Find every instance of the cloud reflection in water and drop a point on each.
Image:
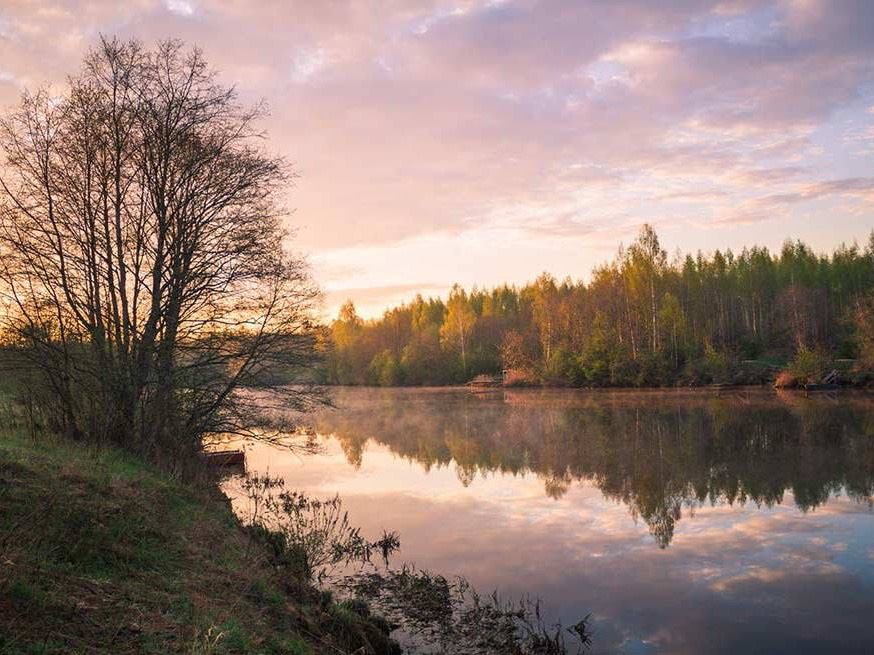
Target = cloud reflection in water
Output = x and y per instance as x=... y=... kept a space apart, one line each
x=685 y=523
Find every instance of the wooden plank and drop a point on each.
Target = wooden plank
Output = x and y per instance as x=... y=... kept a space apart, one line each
x=223 y=458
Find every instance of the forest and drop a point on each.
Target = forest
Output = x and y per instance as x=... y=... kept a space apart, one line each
x=643 y=319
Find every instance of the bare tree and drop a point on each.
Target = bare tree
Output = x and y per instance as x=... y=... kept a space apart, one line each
x=142 y=251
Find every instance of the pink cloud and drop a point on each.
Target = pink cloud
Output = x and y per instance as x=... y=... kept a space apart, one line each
x=434 y=117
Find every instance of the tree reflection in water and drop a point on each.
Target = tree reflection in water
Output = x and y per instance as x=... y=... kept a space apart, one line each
x=659 y=453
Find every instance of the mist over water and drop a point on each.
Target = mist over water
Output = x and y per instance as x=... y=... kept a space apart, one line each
x=685 y=522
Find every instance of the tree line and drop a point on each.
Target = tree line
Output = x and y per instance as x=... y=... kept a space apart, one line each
x=643 y=319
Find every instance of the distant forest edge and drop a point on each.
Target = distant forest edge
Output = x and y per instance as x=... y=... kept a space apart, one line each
x=642 y=320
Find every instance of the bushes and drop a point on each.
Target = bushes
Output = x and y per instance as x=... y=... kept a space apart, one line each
x=808 y=366
x=716 y=364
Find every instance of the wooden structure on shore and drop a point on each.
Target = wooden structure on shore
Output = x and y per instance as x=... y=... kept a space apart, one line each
x=821 y=387
x=484 y=382
x=225 y=458
x=832 y=381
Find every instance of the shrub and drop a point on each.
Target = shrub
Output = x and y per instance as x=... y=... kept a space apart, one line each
x=785 y=380
x=451 y=617
x=716 y=364
x=308 y=535
x=808 y=365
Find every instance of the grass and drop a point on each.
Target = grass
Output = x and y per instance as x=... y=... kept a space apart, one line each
x=100 y=553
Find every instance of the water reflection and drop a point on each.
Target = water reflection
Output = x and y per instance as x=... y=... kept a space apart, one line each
x=660 y=454
x=764 y=501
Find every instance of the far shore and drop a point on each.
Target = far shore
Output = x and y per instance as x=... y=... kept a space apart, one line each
x=711 y=388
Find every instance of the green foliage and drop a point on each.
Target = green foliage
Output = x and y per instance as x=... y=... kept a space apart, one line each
x=653 y=371
x=287 y=646
x=236 y=639
x=564 y=367
x=22 y=591
x=716 y=364
x=605 y=361
x=750 y=348
x=385 y=370
x=263 y=593
x=641 y=320
x=421 y=360
x=809 y=365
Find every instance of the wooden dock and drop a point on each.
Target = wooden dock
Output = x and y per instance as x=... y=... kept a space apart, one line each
x=225 y=458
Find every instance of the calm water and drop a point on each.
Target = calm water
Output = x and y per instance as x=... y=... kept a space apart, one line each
x=684 y=522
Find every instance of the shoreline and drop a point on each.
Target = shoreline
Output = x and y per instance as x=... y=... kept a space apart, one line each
x=147 y=564
x=715 y=389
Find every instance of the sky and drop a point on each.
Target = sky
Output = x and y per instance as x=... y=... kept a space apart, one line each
x=487 y=141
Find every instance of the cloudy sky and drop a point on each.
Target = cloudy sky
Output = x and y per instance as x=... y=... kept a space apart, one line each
x=482 y=141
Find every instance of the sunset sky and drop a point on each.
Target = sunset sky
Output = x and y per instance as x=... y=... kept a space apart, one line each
x=486 y=141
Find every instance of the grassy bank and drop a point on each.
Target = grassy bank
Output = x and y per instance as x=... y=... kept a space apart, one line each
x=100 y=553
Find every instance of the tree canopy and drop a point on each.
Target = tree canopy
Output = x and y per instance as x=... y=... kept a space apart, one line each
x=641 y=320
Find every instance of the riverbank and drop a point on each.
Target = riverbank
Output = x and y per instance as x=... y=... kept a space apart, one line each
x=101 y=553
x=861 y=382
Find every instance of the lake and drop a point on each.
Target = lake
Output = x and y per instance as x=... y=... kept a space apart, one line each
x=683 y=521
